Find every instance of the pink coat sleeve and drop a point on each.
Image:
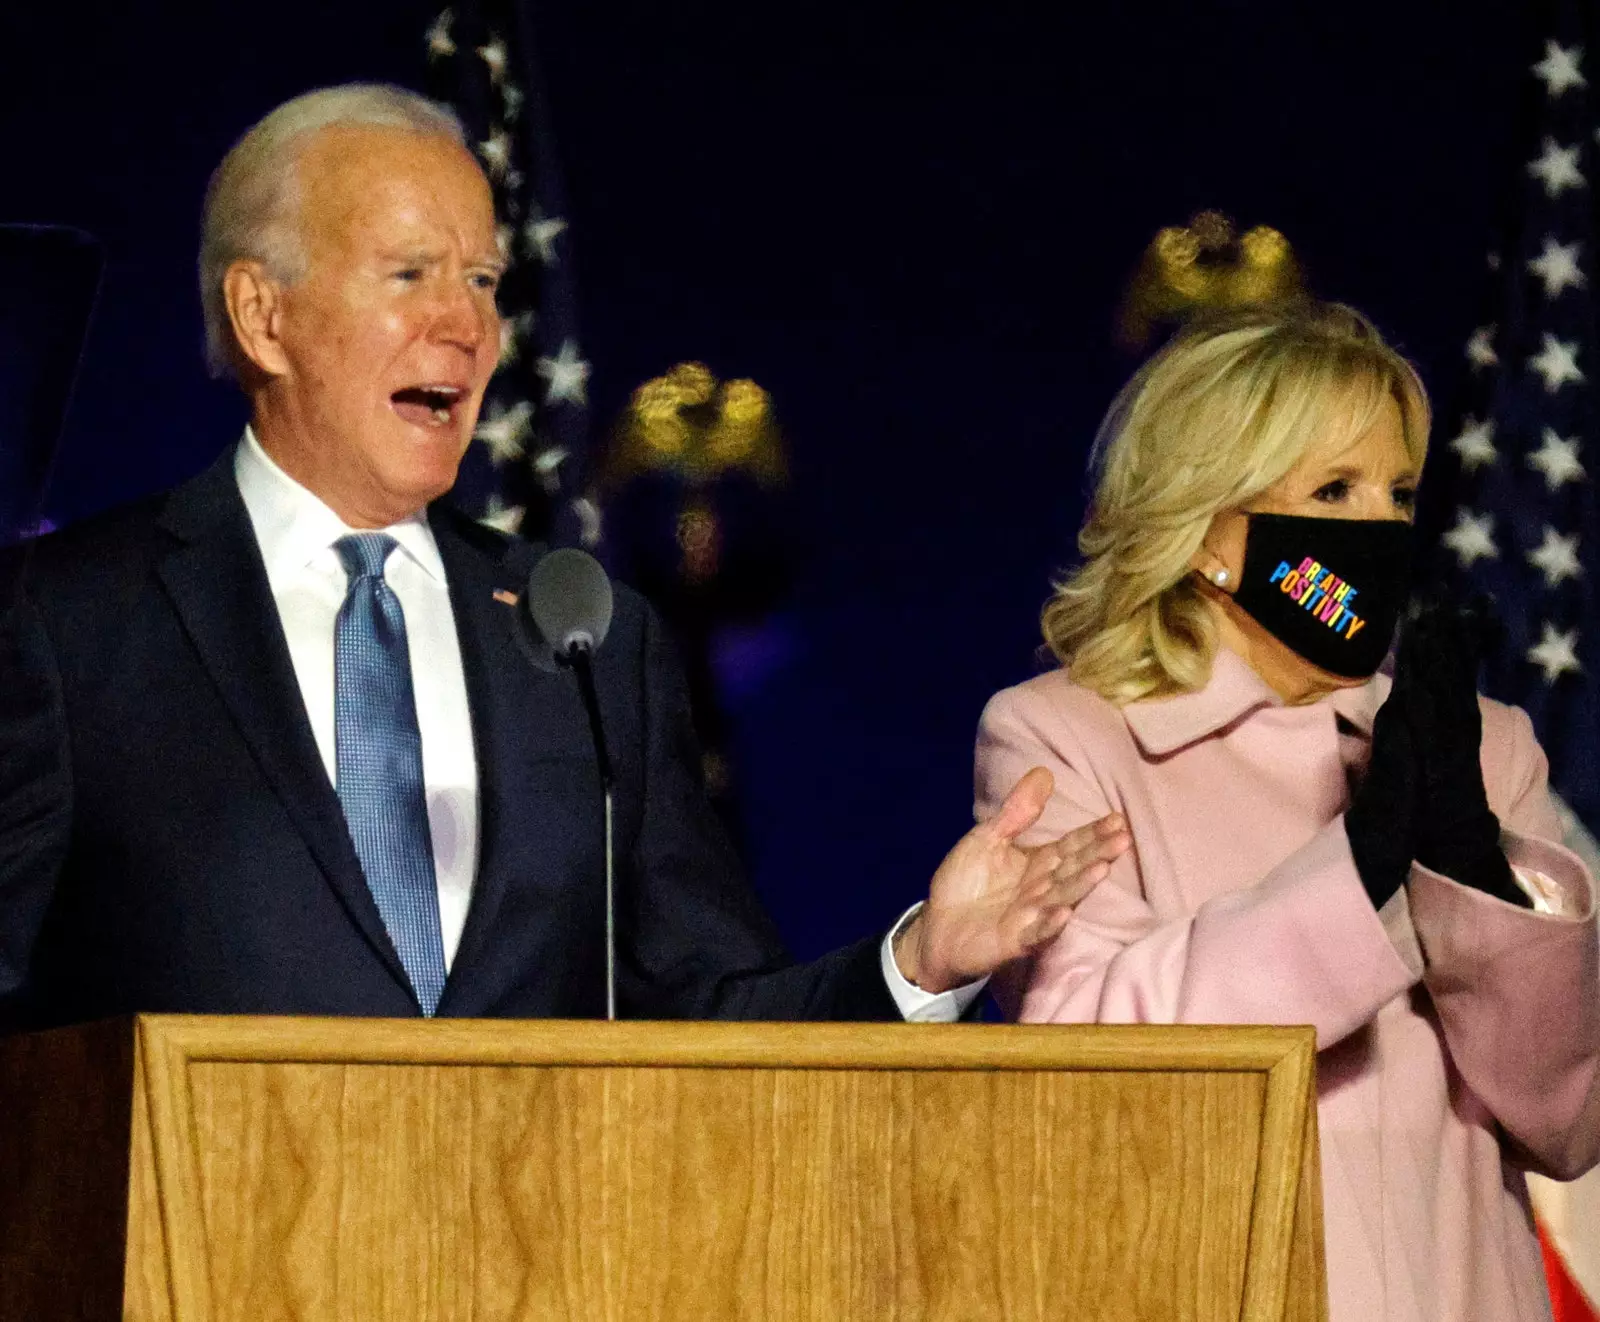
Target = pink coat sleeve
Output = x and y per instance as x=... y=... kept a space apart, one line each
x=1303 y=945
x=1518 y=993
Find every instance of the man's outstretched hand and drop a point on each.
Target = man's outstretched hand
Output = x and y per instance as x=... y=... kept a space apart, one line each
x=993 y=900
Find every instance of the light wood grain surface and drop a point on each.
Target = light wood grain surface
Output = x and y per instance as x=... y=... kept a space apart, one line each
x=348 y=1170
x=147 y=1288
x=1308 y=1272
x=221 y=1169
x=1251 y=1048
x=434 y=1192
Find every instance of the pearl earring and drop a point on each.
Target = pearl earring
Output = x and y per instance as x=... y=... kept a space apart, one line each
x=1220 y=578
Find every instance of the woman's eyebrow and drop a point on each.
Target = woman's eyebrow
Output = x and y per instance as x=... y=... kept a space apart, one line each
x=1353 y=472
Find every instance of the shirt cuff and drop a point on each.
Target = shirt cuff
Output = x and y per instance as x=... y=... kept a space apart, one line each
x=919 y=1006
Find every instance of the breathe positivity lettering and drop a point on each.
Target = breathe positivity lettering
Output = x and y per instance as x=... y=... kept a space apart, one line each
x=1321 y=592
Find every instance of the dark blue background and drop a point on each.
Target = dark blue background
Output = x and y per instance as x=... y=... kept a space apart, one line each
x=911 y=226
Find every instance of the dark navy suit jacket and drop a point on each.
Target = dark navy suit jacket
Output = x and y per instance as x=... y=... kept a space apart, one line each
x=169 y=840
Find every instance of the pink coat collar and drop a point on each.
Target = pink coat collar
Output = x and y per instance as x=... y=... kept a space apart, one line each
x=1164 y=725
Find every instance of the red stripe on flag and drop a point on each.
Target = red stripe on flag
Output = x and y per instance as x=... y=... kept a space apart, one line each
x=1567 y=1301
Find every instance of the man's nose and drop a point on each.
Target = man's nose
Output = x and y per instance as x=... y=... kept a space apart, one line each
x=460 y=318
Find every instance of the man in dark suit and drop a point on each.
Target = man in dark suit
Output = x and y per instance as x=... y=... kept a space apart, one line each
x=269 y=744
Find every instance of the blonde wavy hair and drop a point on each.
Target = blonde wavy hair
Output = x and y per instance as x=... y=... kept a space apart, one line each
x=1221 y=413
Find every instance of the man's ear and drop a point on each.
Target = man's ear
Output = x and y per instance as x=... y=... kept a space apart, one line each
x=255 y=308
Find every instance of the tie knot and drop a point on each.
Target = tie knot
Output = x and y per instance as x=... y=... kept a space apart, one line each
x=363 y=553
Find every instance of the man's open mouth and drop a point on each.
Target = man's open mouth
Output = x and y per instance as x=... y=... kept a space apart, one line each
x=429 y=405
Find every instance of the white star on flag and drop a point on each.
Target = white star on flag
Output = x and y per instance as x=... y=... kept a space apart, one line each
x=1557 y=459
x=439 y=43
x=496 y=152
x=494 y=55
x=1480 y=348
x=589 y=524
x=541 y=233
x=1557 y=267
x=1556 y=362
x=1555 y=653
x=512 y=331
x=502 y=517
x=502 y=431
x=1556 y=557
x=547 y=467
x=1557 y=168
x=567 y=374
x=1475 y=445
x=1472 y=538
x=1559 y=68
x=532 y=426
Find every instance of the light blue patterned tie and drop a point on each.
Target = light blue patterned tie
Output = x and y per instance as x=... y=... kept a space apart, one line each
x=379 y=762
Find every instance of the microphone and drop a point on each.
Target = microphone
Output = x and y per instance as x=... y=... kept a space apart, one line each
x=569 y=604
x=569 y=598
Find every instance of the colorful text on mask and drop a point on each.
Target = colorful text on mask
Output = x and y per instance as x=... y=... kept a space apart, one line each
x=1322 y=592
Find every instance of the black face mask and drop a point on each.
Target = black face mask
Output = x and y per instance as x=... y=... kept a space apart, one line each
x=1330 y=590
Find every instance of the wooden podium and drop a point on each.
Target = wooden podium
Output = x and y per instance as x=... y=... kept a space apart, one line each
x=178 y=1169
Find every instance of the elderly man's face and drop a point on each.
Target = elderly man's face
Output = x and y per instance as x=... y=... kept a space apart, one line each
x=389 y=339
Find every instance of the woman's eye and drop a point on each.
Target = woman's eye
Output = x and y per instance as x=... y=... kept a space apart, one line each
x=1331 y=493
x=1405 y=498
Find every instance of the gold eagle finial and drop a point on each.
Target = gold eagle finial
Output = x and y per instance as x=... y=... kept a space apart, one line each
x=1202 y=266
x=688 y=423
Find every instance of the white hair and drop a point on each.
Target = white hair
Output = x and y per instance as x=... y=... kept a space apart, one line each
x=250 y=209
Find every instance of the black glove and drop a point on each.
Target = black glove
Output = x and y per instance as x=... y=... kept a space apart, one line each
x=1381 y=818
x=1436 y=686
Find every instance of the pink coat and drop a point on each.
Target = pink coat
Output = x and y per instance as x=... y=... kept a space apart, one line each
x=1459 y=1036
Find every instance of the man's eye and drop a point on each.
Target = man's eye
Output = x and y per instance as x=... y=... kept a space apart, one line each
x=1332 y=493
x=483 y=280
x=409 y=274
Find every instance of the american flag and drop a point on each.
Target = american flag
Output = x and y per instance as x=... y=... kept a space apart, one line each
x=1513 y=503
x=1511 y=490
x=526 y=469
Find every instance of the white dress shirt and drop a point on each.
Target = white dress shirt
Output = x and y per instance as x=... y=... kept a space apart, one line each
x=296 y=533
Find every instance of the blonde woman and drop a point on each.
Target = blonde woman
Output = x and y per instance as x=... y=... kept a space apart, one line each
x=1308 y=845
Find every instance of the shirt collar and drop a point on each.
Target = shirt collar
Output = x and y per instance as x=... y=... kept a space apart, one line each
x=1234 y=691
x=294 y=527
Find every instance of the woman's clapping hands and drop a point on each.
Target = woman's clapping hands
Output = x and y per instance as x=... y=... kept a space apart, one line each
x=1423 y=796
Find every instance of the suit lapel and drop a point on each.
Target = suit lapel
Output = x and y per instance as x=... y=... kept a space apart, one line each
x=218 y=585
x=504 y=694
x=486 y=630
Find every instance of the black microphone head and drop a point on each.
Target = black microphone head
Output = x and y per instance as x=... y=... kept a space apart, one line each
x=569 y=600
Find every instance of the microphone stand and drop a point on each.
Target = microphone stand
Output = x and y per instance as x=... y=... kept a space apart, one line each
x=580 y=656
